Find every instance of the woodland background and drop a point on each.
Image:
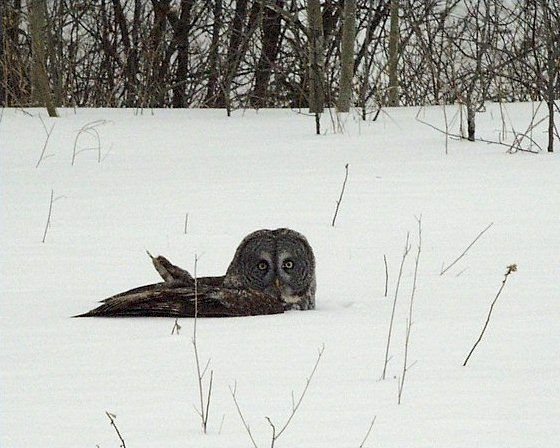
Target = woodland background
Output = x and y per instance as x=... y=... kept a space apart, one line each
x=312 y=54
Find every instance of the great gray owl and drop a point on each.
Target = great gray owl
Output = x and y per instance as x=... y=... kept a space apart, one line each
x=271 y=271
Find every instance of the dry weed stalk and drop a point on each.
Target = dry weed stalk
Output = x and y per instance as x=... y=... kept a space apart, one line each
x=341 y=194
x=511 y=268
x=368 y=432
x=295 y=406
x=48 y=223
x=405 y=254
x=112 y=418
x=90 y=129
x=204 y=406
x=406 y=366
x=386 y=275
x=444 y=270
x=48 y=132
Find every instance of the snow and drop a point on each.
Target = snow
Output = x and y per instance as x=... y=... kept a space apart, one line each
x=267 y=169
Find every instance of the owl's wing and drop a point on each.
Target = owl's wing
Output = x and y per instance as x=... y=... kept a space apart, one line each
x=177 y=300
x=175 y=275
x=169 y=272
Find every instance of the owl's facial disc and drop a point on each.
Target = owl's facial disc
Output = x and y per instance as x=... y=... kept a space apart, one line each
x=291 y=275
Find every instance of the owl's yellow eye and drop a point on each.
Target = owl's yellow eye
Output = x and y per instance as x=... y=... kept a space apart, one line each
x=288 y=264
x=263 y=265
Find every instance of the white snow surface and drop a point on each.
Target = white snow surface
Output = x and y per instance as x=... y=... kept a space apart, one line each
x=267 y=169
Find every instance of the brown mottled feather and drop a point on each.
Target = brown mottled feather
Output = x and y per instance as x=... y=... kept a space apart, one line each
x=169 y=299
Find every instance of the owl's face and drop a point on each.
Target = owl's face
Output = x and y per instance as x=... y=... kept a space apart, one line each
x=279 y=262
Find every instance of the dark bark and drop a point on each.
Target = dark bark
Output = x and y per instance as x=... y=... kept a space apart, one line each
x=316 y=58
x=3 y=68
x=129 y=69
x=235 y=39
x=379 y=17
x=240 y=36
x=182 y=29
x=347 y=56
x=271 y=35
x=212 y=90
x=41 y=84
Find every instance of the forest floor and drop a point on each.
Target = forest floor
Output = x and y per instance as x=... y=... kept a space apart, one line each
x=129 y=192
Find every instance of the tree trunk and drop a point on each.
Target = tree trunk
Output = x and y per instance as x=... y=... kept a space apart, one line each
x=182 y=30
x=271 y=28
x=553 y=59
x=347 y=56
x=213 y=88
x=393 y=55
x=316 y=57
x=37 y=24
x=233 y=51
x=3 y=65
x=471 y=112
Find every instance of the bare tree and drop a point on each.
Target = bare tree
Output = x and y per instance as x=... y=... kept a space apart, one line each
x=37 y=24
x=551 y=19
x=316 y=60
x=394 y=54
x=347 y=56
x=271 y=41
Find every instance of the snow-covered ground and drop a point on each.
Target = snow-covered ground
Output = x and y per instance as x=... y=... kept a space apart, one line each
x=266 y=170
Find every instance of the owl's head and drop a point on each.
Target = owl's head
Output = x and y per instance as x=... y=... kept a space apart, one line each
x=278 y=262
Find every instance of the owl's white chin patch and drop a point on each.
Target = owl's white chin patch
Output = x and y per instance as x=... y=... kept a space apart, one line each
x=291 y=299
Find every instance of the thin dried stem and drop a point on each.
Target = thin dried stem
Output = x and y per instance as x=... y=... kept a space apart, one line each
x=45 y=144
x=49 y=216
x=368 y=432
x=410 y=312
x=299 y=401
x=341 y=194
x=204 y=407
x=511 y=268
x=405 y=254
x=386 y=275
x=114 y=425
x=444 y=270
x=233 y=391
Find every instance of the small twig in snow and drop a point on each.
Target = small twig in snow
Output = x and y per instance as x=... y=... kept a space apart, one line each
x=276 y=435
x=48 y=132
x=48 y=224
x=221 y=424
x=176 y=326
x=511 y=268
x=405 y=253
x=368 y=432
x=444 y=270
x=386 y=275
x=112 y=418
x=186 y=222
x=204 y=407
x=273 y=432
x=91 y=129
x=406 y=367
x=233 y=391
x=341 y=194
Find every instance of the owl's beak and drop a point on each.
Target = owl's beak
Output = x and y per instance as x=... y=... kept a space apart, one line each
x=277 y=284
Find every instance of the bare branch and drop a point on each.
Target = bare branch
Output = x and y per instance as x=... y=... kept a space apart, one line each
x=406 y=367
x=405 y=254
x=233 y=391
x=444 y=270
x=368 y=432
x=341 y=194
x=112 y=418
x=511 y=268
